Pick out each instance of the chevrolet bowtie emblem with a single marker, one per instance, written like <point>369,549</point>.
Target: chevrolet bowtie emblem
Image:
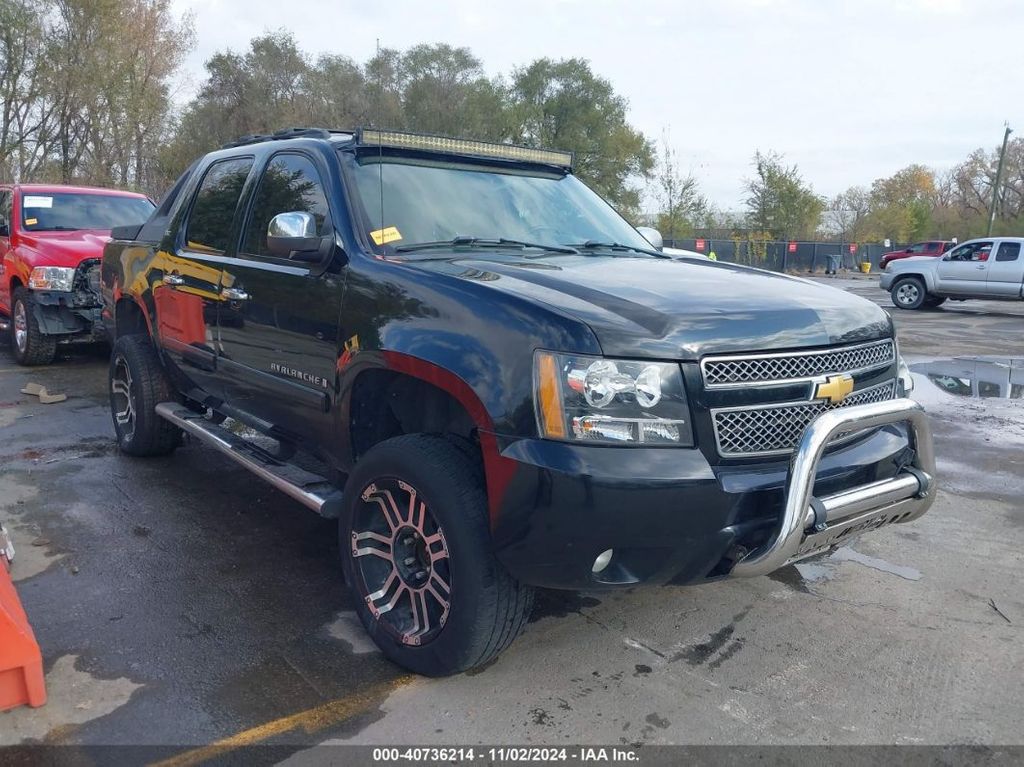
<point>834,388</point>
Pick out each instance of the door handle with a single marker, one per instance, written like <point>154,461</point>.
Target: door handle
<point>173,279</point>
<point>980,266</point>
<point>234,294</point>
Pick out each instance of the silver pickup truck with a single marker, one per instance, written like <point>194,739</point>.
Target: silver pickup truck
<point>991,268</point>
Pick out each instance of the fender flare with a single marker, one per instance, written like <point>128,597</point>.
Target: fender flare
<point>119,296</point>
<point>498,470</point>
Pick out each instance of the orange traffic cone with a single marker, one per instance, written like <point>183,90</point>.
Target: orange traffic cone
<point>21,663</point>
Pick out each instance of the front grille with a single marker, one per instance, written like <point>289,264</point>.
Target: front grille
<point>789,367</point>
<point>776,429</point>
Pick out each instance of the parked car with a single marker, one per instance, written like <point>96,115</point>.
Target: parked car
<point>930,248</point>
<point>504,385</point>
<point>51,241</point>
<point>967,271</point>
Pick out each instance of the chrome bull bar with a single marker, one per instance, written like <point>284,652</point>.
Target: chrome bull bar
<point>810,524</point>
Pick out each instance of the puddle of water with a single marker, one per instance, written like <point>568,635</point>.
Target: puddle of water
<point>347,627</point>
<point>980,377</point>
<point>75,697</point>
<point>847,554</point>
<point>802,575</point>
<point>813,572</point>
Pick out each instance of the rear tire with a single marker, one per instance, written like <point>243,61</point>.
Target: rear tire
<point>138,384</point>
<point>418,502</point>
<point>908,293</point>
<point>30,344</point>
<point>934,302</point>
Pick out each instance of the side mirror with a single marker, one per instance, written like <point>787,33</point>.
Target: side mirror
<point>909,250</point>
<point>293,235</point>
<point>5,229</point>
<point>653,236</point>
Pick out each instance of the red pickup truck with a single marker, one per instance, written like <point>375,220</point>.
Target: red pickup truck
<point>927,248</point>
<point>51,242</point>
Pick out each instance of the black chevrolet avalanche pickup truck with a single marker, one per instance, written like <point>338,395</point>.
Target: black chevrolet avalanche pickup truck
<point>494,383</point>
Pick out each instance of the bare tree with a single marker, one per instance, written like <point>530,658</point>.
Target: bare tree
<point>681,205</point>
<point>23,111</point>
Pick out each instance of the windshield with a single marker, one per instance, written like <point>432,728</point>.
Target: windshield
<point>426,202</point>
<point>64,211</point>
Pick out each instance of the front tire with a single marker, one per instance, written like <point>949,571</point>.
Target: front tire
<point>908,293</point>
<point>417,554</point>
<point>138,384</point>
<point>30,344</point>
<point>934,302</point>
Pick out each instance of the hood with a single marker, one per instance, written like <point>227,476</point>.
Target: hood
<point>912,262</point>
<point>64,248</point>
<point>680,309</point>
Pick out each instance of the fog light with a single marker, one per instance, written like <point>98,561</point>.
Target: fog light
<point>602,561</point>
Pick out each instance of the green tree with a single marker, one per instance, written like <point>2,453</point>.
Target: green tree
<point>564,105</point>
<point>444,90</point>
<point>779,202</point>
<point>901,205</point>
<point>260,91</point>
<point>337,92</point>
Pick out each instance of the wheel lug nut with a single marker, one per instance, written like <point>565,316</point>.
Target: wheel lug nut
<point>409,560</point>
<point>421,575</point>
<point>408,540</point>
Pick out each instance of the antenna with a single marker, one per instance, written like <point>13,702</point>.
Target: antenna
<point>380,147</point>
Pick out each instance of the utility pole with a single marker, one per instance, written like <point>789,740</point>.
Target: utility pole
<point>999,179</point>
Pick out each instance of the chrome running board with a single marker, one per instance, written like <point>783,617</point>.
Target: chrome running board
<point>309,489</point>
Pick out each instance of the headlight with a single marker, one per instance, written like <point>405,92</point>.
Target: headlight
<point>51,278</point>
<point>612,402</point>
<point>905,380</point>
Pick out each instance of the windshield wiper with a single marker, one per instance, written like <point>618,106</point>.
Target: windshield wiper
<point>599,245</point>
<point>56,229</point>
<point>484,242</point>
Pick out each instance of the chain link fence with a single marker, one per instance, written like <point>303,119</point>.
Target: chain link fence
<point>808,256</point>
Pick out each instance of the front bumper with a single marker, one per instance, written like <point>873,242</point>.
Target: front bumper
<point>885,280</point>
<point>669,516</point>
<point>60,313</point>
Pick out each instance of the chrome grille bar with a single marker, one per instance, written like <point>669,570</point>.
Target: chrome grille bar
<point>775,429</point>
<point>745,370</point>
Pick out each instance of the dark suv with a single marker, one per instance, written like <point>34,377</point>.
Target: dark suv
<point>494,382</point>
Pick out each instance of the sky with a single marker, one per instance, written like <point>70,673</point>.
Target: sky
<point>848,91</point>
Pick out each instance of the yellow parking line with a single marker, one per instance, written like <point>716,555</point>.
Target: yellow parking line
<point>311,720</point>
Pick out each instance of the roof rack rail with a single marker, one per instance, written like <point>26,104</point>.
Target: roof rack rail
<point>281,135</point>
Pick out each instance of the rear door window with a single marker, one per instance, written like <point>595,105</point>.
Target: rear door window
<point>211,220</point>
<point>1008,251</point>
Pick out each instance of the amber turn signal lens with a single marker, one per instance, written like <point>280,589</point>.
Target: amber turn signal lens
<point>552,420</point>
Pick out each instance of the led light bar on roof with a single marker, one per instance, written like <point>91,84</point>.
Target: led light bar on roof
<point>443,145</point>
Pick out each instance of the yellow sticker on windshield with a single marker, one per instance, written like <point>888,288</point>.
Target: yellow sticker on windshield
<point>31,221</point>
<point>384,236</point>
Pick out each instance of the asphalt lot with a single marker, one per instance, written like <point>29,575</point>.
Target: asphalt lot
<point>180,601</point>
